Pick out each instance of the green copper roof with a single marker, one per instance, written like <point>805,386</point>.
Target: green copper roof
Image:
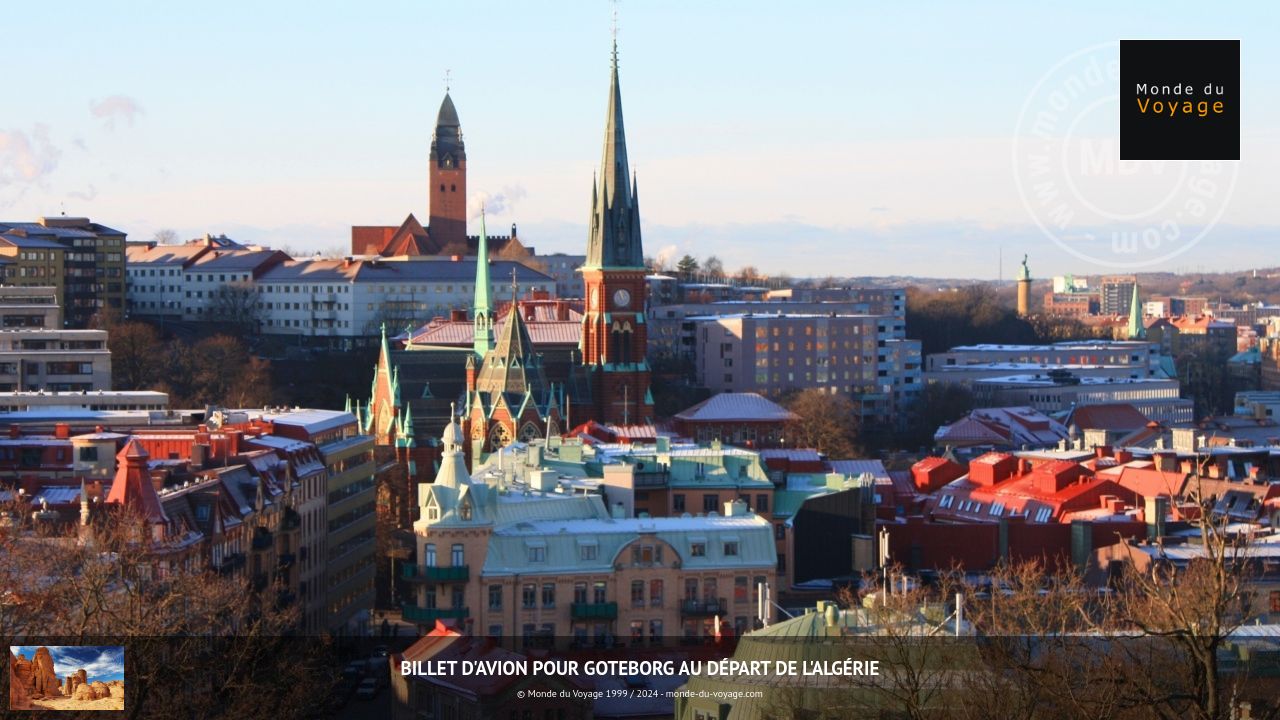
<point>481,306</point>
<point>1135,330</point>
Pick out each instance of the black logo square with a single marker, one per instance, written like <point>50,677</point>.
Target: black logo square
<point>1179,99</point>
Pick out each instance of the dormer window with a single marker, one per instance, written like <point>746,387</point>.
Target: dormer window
<point>433,513</point>
<point>464,510</point>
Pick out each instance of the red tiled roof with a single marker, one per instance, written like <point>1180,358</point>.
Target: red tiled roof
<point>132,486</point>
<point>1110,416</point>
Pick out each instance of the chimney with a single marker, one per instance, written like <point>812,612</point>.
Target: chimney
<point>1122,456</point>
<point>199,454</point>
<point>233,441</point>
<point>619,511</point>
<point>14,431</point>
<point>61,430</point>
<point>735,508</point>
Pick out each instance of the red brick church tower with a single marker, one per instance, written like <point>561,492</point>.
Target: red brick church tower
<point>448,178</point>
<point>614,336</point>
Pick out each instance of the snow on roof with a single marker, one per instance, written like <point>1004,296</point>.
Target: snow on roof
<point>737,406</point>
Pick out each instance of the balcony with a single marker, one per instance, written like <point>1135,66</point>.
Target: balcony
<point>594,611</point>
<point>413,613</point>
<point>455,574</point>
<point>704,607</point>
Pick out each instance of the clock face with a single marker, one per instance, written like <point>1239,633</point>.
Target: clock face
<point>621,298</point>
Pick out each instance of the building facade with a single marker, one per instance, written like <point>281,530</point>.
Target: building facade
<point>53,360</point>
<point>93,262</point>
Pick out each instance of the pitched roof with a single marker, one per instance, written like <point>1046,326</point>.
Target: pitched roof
<point>1108,416</point>
<point>746,407</point>
<point>132,486</point>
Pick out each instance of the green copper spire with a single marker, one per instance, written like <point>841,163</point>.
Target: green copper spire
<point>481,308</point>
<point>1136,330</point>
<point>614,239</point>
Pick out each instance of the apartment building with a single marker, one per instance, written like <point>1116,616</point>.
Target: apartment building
<point>92,276</point>
<point>540,560</point>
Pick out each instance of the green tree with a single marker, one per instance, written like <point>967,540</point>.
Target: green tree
<point>687,266</point>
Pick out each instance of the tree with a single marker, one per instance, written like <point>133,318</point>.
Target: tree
<point>825,422</point>
<point>937,404</point>
<point>199,643</point>
<point>238,306</point>
<point>165,236</point>
<point>687,266</point>
<point>713,267</point>
<point>748,275</point>
<point>136,354</point>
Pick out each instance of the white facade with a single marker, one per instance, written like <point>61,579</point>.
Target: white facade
<point>348,299</point>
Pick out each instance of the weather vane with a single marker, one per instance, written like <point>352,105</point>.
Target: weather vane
<point>447,76</point>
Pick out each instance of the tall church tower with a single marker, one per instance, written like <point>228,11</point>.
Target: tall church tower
<point>614,337</point>
<point>448,178</point>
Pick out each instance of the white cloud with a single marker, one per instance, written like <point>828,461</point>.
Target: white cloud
<point>26,160</point>
<point>495,203</point>
<point>110,108</point>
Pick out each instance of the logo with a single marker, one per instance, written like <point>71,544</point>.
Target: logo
<point>1180,99</point>
<point>1094,203</point>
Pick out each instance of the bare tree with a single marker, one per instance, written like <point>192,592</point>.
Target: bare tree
<point>165,236</point>
<point>238,306</point>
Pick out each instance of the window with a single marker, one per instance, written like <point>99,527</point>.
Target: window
<point>741,593</point>
<point>780,531</point>
<point>580,592</point>
<point>677,502</point>
<point>762,503</point>
<point>655,593</point>
<point>698,549</point>
<point>599,593</point>
<point>88,454</point>
<point>637,593</point>
<point>495,597</point>
<point>710,502</point>
<point>429,558</point>
<point>548,595</point>
<point>455,556</point>
<point>588,552</point>
<point>529,596</point>
<point>731,548</point>
<point>537,553</point>
<point>459,598</point>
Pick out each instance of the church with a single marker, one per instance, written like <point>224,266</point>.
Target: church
<point>507,393</point>
<point>446,231</point>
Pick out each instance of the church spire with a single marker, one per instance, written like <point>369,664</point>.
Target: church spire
<point>614,240</point>
<point>1136,331</point>
<point>482,340</point>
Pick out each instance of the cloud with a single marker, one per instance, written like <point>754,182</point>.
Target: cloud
<point>26,160</point>
<point>86,195</point>
<point>495,203</point>
<point>110,108</point>
<point>100,662</point>
<point>666,255</point>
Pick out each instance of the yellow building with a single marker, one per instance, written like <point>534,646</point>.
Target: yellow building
<point>26,261</point>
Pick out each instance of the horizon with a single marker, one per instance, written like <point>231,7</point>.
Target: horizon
<point>901,150</point>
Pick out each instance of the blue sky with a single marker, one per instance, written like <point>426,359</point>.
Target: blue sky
<point>876,137</point>
<point>100,662</point>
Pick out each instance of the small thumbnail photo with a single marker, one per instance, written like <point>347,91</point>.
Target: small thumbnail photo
<point>66,677</point>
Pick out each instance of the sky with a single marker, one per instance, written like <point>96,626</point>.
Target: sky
<point>811,138</point>
<point>102,663</point>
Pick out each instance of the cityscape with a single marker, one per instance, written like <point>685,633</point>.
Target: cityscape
<point>459,468</point>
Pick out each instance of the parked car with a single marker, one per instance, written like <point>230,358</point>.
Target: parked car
<point>368,689</point>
